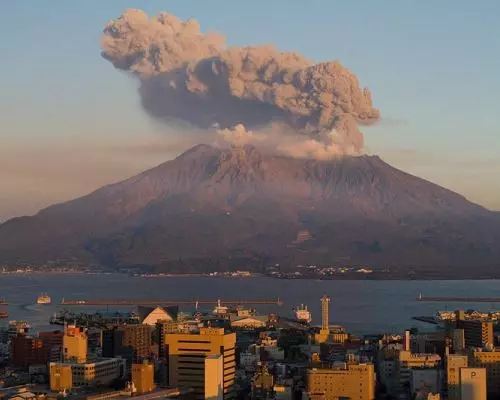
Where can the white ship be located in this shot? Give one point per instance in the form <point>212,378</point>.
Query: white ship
<point>303,314</point>
<point>44,298</point>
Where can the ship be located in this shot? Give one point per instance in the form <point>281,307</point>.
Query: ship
<point>4,314</point>
<point>44,298</point>
<point>303,314</point>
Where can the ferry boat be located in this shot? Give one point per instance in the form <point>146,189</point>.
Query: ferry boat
<point>44,298</point>
<point>4,314</point>
<point>303,314</point>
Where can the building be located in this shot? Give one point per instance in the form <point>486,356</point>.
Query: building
<point>351,381</point>
<point>214,377</point>
<point>477,333</point>
<point>425,381</point>
<point>27,350</point>
<point>53,343</point>
<point>101,372</point>
<point>151,315</point>
<point>253,322</point>
<point>75,344</point>
<point>143,377</point>
<point>454,363</point>
<point>132,342</point>
<point>491,361</point>
<point>458,340</point>
<point>61,377</point>
<point>473,384</point>
<point>186,358</point>
<point>408,361</point>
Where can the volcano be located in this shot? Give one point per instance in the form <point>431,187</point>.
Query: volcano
<point>220,209</point>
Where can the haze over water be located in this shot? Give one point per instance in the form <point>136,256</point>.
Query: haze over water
<point>362,307</point>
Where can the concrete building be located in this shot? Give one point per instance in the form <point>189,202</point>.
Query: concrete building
<point>458,340</point>
<point>350,381</point>
<point>60,377</point>
<point>100,372</point>
<point>53,343</point>
<point>454,363</point>
<point>143,377</point>
<point>252,322</point>
<point>151,315</point>
<point>408,361</point>
<point>214,377</point>
<point>27,350</point>
<point>132,342</point>
<point>473,384</point>
<point>477,333</point>
<point>186,358</point>
<point>425,380</point>
<point>491,361</point>
<point>75,344</point>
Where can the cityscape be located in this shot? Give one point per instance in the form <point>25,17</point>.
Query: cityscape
<point>230,351</point>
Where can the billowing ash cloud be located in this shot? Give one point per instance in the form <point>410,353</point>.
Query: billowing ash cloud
<point>189,76</point>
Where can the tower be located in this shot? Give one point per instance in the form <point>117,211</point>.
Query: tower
<point>325,324</point>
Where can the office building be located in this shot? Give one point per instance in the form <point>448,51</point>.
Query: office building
<point>425,380</point>
<point>74,344</point>
<point>27,350</point>
<point>214,377</point>
<point>454,363</point>
<point>473,384</point>
<point>132,342</point>
<point>143,377</point>
<point>61,377</point>
<point>477,333</point>
<point>350,381</point>
<point>491,361</point>
<point>53,343</point>
<point>408,361</point>
<point>186,358</point>
<point>458,340</point>
<point>101,372</point>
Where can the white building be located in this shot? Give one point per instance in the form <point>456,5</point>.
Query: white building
<point>473,383</point>
<point>101,372</point>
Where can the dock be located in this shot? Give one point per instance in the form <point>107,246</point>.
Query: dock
<point>458,299</point>
<point>162,302</point>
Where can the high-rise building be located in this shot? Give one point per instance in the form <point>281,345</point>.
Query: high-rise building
<point>75,344</point>
<point>350,381</point>
<point>61,377</point>
<point>491,361</point>
<point>27,350</point>
<point>143,377</point>
<point>53,343</point>
<point>458,340</point>
<point>473,384</point>
<point>132,342</point>
<point>214,377</point>
<point>454,363</point>
<point>186,358</point>
<point>477,333</point>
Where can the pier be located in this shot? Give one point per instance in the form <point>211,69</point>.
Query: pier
<point>458,299</point>
<point>160,302</point>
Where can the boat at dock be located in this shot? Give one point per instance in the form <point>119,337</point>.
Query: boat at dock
<point>44,298</point>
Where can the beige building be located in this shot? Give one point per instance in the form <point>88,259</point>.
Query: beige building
<point>351,381</point>
<point>143,377</point>
<point>75,344</point>
<point>214,377</point>
<point>98,373</point>
<point>473,384</point>
<point>408,361</point>
<point>454,363</point>
<point>60,377</point>
<point>491,361</point>
<point>186,358</point>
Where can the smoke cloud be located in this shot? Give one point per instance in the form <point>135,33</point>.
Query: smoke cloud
<point>285,101</point>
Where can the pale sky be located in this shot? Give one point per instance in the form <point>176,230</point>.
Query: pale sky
<point>70,123</point>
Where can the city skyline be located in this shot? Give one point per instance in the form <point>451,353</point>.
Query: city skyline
<point>84,127</point>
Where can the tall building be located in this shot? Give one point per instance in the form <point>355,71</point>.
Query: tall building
<point>454,363</point>
<point>143,377</point>
<point>408,361</point>
<point>477,333</point>
<point>61,377</point>
<point>27,350</point>
<point>214,377</point>
<point>458,340</point>
<point>75,344</point>
<point>350,381</point>
<point>186,358</point>
<point>53,343</point>
<point>491,361</point>
<point>473,384</point>
<point>132,342</point>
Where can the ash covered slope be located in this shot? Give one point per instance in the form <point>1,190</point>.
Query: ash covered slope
<point>221,208</point>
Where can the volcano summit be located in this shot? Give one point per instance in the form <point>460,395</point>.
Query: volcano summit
<point>213,208</point>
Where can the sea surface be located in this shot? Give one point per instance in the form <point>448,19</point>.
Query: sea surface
<point>362,307</point>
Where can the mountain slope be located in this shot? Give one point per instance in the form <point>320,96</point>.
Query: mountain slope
<point>223,208</point>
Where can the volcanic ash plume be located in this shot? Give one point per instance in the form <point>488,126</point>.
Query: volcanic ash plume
<point>189,76</point>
